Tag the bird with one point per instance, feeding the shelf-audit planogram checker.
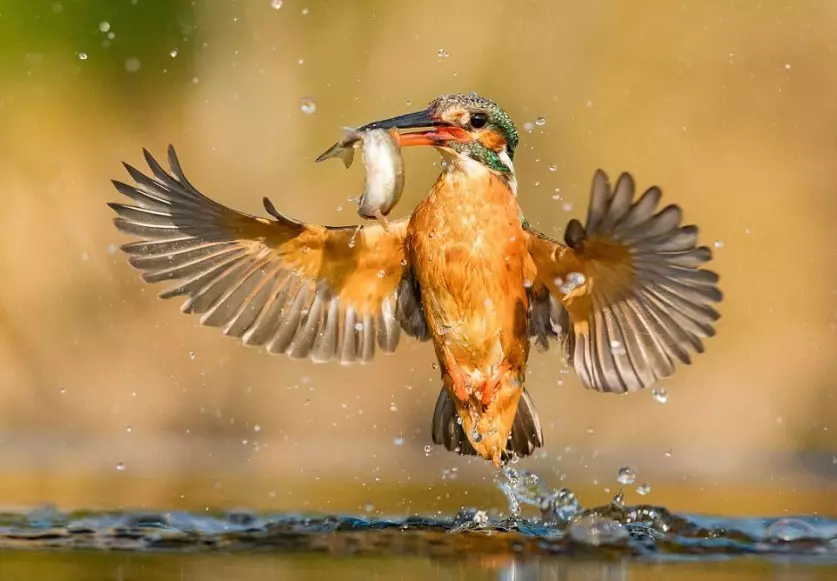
(624, 297)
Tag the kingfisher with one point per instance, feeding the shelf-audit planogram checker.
(626, 295)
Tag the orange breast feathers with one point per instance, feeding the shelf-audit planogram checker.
(471, 261)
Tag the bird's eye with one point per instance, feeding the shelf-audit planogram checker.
(478, 120)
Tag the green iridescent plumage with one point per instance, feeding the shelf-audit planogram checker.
(478, 152)
(497, 120)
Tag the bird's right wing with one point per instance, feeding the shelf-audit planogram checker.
(300, 289)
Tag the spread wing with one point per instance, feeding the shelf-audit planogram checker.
(626, 291)
(300, 289)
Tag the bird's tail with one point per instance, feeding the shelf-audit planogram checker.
(449, 430)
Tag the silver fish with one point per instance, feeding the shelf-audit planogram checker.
(384, 169)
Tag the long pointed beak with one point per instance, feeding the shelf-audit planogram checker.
(437, 133)
(408, 121)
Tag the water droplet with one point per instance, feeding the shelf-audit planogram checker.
(719, 244)
(192, 355)
(660, 394)
(104, 26)
(540, 121)
(427, 450)
(643, 489)
(617, 348)
(82, 56)
(132, 65)
(443, 54)
(305, 12)
(85, 256)
(403, 262)
(790, 529)
(62, 391)
(120, 466)
(381, 274)
(358, 326)
(398, 441)
(173, 52)
(573, 281)
(276, 4)
(393, 407)
(553, 168)
(626, 475)
(307, 105)
(480, 518)
(129, 429)
(257, 428)
(528, 127)
(597, 530)
(787, 66)
(667, 453)
(527, 283)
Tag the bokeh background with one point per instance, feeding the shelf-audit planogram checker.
(111, 398)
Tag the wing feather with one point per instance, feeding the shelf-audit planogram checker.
(305, 290)
(628, 290)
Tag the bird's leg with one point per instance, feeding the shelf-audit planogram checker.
(492, 386)
(382, 219)
(458, 378)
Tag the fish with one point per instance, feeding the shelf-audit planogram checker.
(384, 169)
(345, 148)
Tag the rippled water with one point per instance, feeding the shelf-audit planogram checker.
(545, 533)
(610, 531)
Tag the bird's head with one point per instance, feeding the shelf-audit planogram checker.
(463, 124)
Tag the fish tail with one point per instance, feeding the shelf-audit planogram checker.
(344, 149)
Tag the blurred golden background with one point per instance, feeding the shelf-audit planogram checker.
(110, 398)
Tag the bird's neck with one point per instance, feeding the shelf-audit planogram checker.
(464, 176)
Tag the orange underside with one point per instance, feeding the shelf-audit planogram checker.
(469, 253)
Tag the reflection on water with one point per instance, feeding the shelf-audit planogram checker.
(24, 566)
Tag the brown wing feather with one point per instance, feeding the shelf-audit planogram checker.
(300, 289)
(627, 290)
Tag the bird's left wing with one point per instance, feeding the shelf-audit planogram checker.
(627, 291)
(300, 289)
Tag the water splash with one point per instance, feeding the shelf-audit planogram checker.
(526, 488)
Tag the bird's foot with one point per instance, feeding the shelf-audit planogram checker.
(382, 219)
